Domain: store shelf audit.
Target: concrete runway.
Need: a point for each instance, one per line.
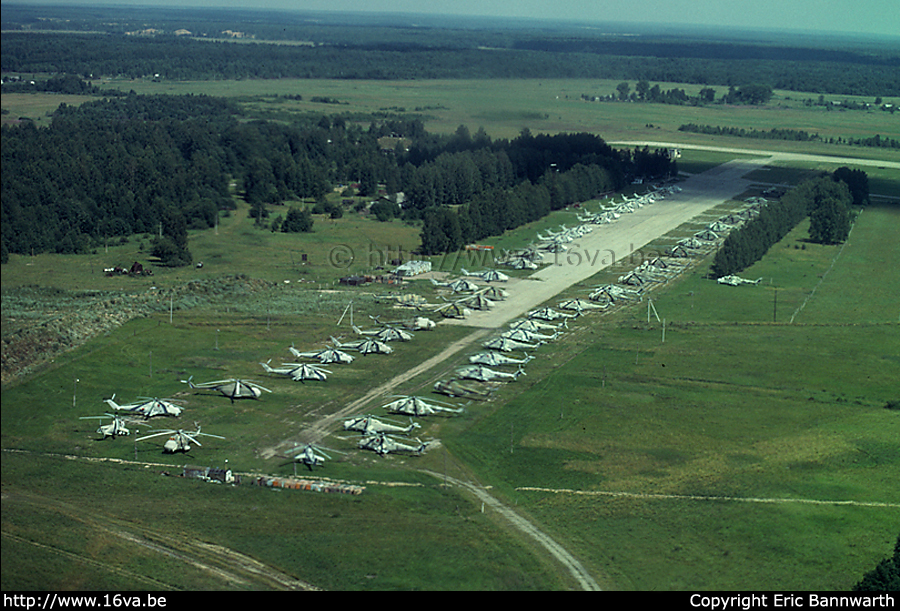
(607, 244)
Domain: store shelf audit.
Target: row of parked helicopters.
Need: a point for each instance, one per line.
(474, 381)
(496, 362)
(376, 433)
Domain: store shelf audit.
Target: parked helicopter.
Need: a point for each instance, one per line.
(495, 293)
(384, 444)
(528, 324)
(495, 358)
(386, 334)
(180, 441)
(455, 388)
(299, 372)
(521, 335)
(477, 301)
(231, 388)
(113, 429)
(490, 275)
(148, 408)
(326, 356)
(458, 286)
(549, 314)
(504, 344)
(416, 406)
(311, 455)
(580, 305)
(485, 374)
(365, 346)
(451, 309)
(369, 425)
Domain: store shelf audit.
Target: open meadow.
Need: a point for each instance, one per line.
(505, 107)
(750, 449)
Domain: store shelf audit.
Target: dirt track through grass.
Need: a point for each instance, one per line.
(694, 497)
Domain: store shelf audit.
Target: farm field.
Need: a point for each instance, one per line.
(750, 450)
(505, 107)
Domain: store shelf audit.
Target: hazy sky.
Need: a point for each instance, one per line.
(855, 16)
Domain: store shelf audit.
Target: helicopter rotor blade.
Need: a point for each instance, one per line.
(156, 435)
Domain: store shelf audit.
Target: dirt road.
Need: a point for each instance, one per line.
(580, 574)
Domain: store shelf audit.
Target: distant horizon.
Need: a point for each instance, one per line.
(872, 18)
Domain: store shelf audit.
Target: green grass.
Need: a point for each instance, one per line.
(731, 405)
(505, 107)
(386, 538)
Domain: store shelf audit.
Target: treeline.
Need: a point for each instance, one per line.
(498, 210)
(164, 164)
(67, 84)
(825, 200)
(787, 134)
(183, 58)
(753, 93)
(552, 172)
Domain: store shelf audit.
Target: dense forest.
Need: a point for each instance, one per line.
(197, 44)
(163, 164)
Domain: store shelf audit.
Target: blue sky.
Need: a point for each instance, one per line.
(851, 16)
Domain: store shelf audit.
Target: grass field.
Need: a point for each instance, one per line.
(741, 453)
(505, 107)
(625, 446)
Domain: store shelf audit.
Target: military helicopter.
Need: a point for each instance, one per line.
(452, 309)
(490, 275)
(369, 425)
(521, 263)
(148, 408)
(495, 358)
(232, 388)
(311, 455)
(485, 374)
(521, 335)
(419, 323)
(386, 334)
(326, 356)
(416, 406)
(383, 444)
(611, 293)
(180, 441)
(455, 388)
(477, 302)
(458, 286)
(549, 314)
(365, 346)
(299, 372)
(580, 305)
(528, 324)
(505, 344)
(113, 429)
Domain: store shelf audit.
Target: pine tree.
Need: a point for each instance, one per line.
(885, 577)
